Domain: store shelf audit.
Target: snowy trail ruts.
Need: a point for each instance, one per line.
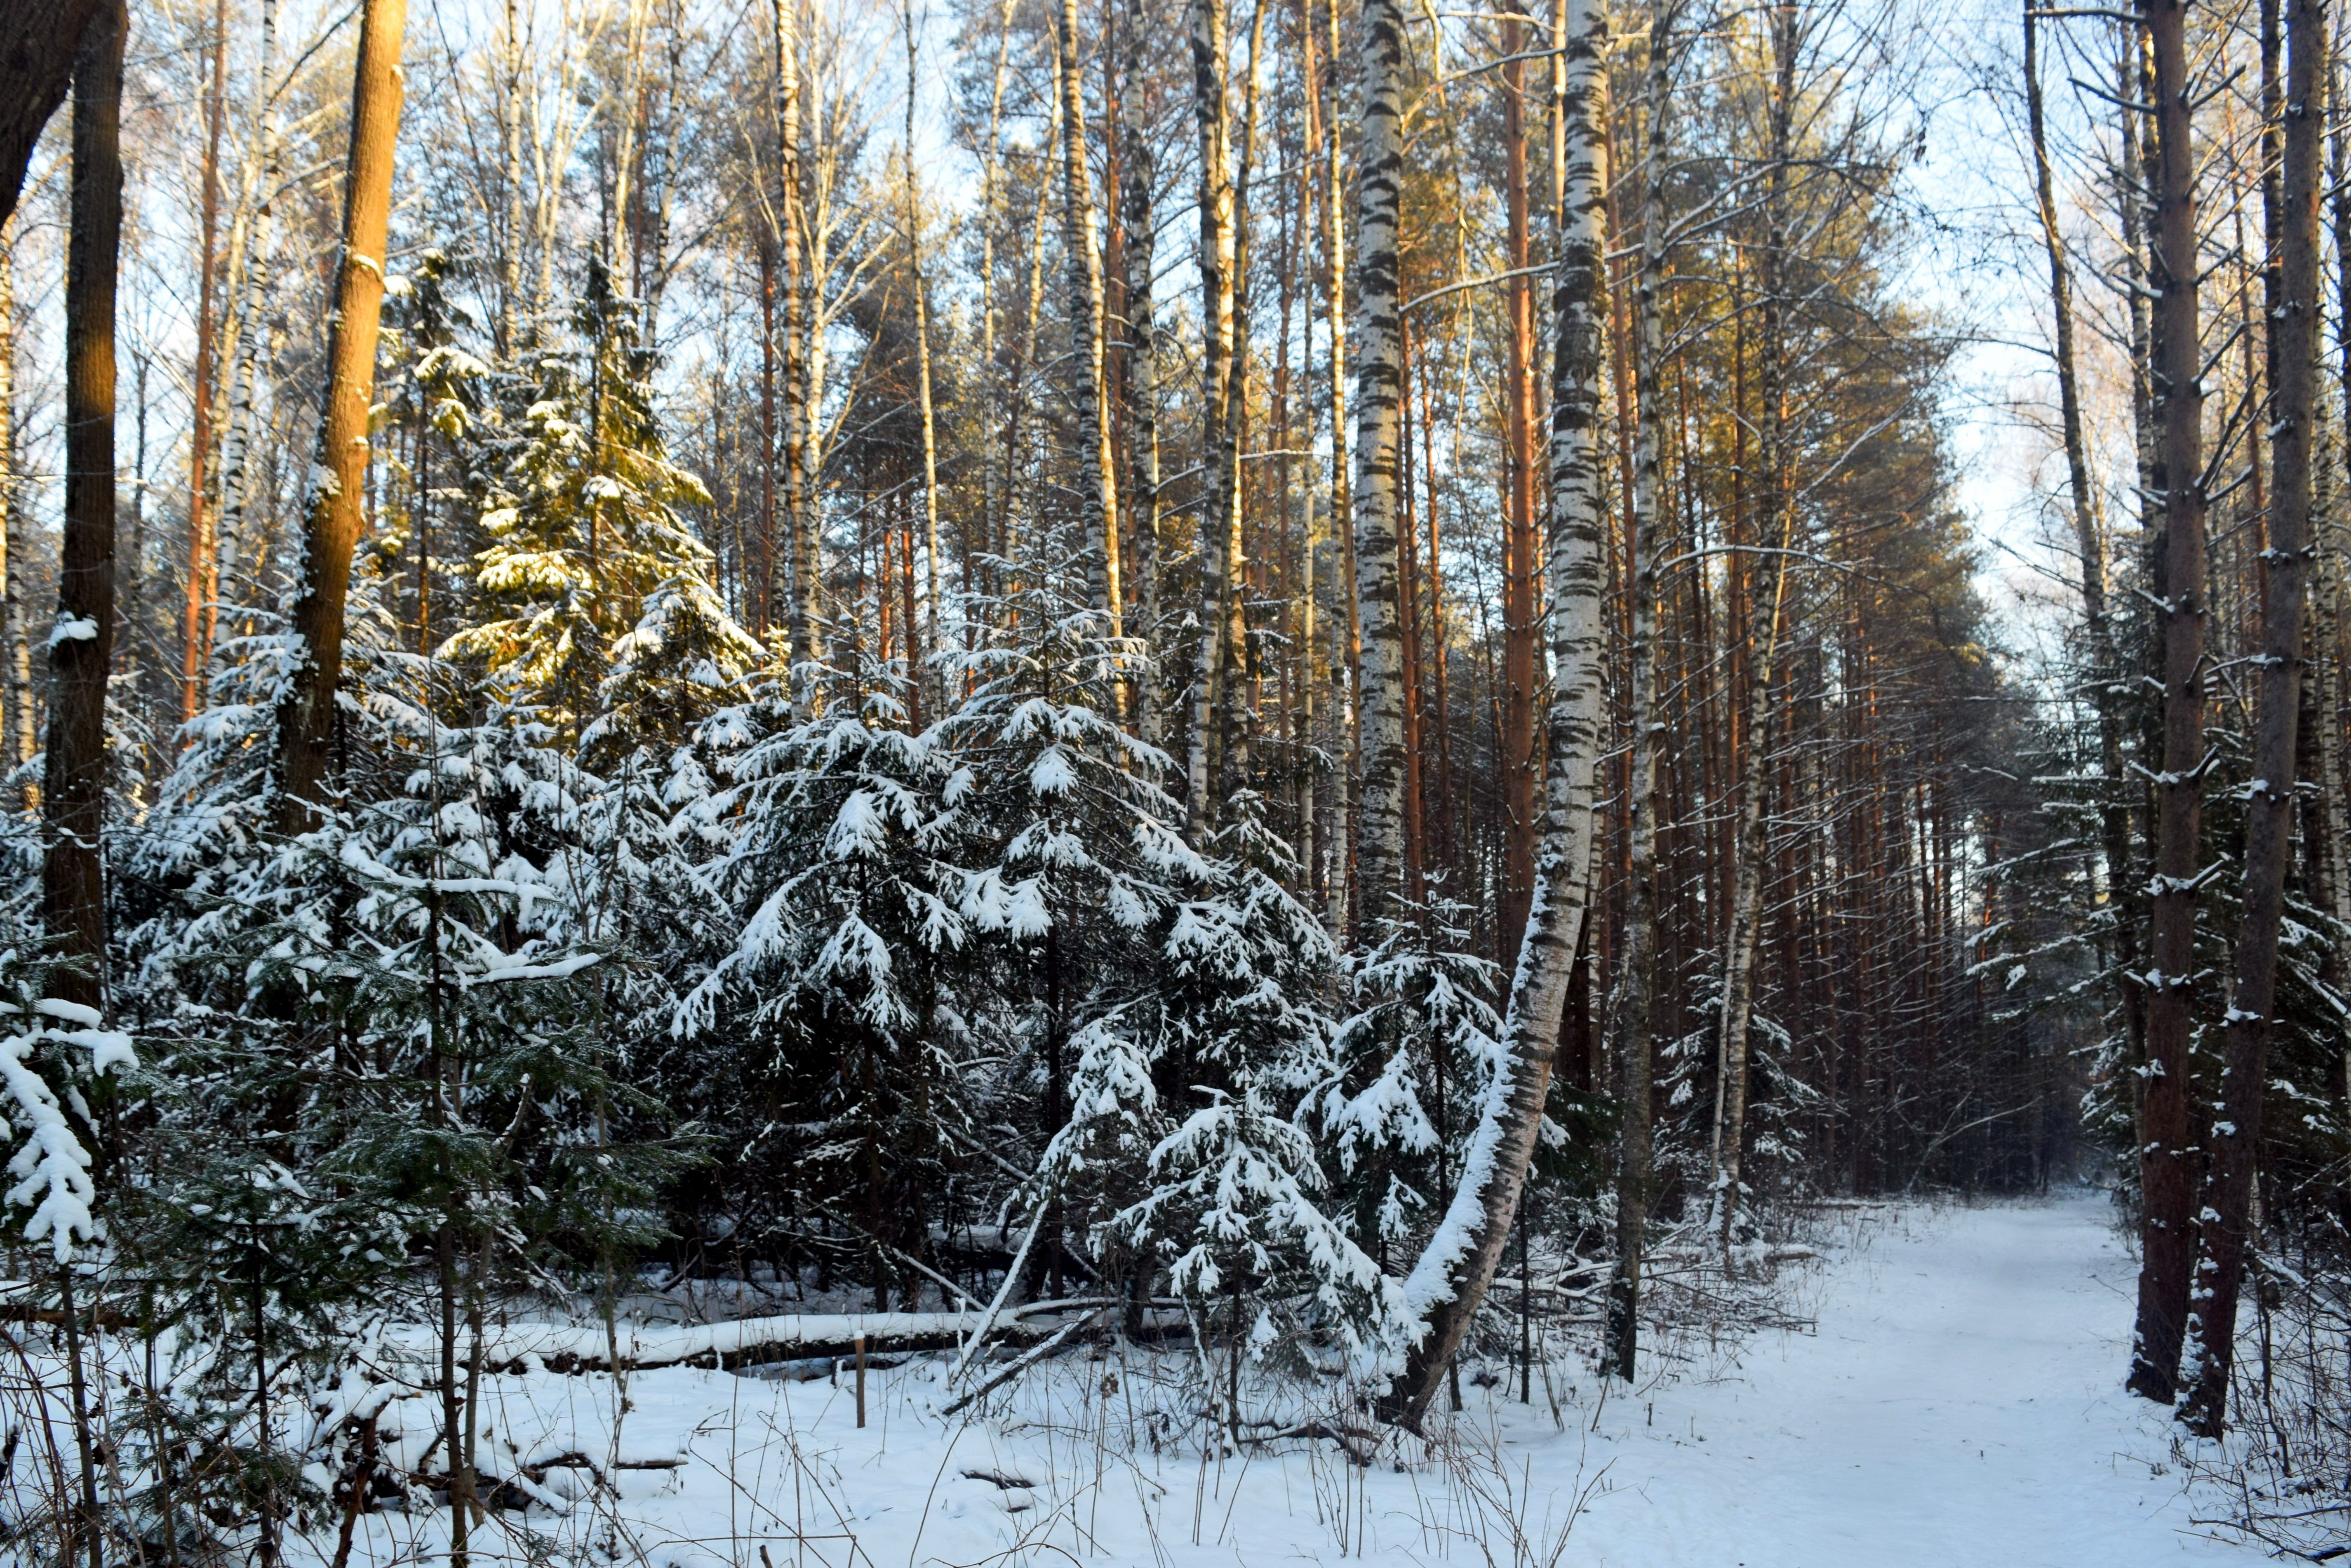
(1958, 1404)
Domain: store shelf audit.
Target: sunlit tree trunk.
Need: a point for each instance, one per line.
(202, 584)
(73, 882)
(1379, 842)
(333, 517)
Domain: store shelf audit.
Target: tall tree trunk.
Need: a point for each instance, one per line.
(1138, 180)
(1450, 1279)
(805, 613)
(1630, 994)
(16, 704)
(333, 518)
(1218, 376)
(238, 479)
(2113, 817)
(1776, 513)
(195, 641)
(2269, 810)
(1098, 507)
(35, 68)
(1345, 671)
(73, 885)
(1520, 611)
(1379, 846)
(2330, 573)
(2166, 1147)
(510, 112)
(934, 627)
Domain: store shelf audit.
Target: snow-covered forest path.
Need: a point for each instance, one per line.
(1952, 1400)
(1959, 1404)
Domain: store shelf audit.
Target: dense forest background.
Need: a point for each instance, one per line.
(1239, 666)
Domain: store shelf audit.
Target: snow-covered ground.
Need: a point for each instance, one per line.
(1957, 1403)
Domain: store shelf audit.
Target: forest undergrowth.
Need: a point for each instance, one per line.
(1106, 1441)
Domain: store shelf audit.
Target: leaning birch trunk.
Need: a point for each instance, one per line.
(1629, 1043)
(1379, 846)
(1138, 175)
(73, 885)
(1449, 1280)
(2226, 1224)
(1098, 507)
(1750, 845)
(2168, 1154)
(332, 520)
(1216, 256)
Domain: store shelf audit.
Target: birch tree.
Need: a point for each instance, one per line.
(1450, 1279)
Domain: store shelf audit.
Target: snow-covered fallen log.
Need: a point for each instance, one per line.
(740, 1342)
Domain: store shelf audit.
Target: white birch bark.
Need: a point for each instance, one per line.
(1451, 1277)
(1379, 389)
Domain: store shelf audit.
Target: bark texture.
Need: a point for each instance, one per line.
(38, 40)
(1629, 1043)
(1379, 393)
(1449, 1281)
(73, 882)
(2166, 1156)
(1098, 505)
(332, 521)
(2268, 810)
(1776, 518)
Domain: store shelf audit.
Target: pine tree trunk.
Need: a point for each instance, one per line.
(73, 886)
(1631, 990)
(1450, 1279)
(196, 644)
(1098, 507)
(2293, 421)
(333, 518)
(2166, 1154)
(44, 42)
